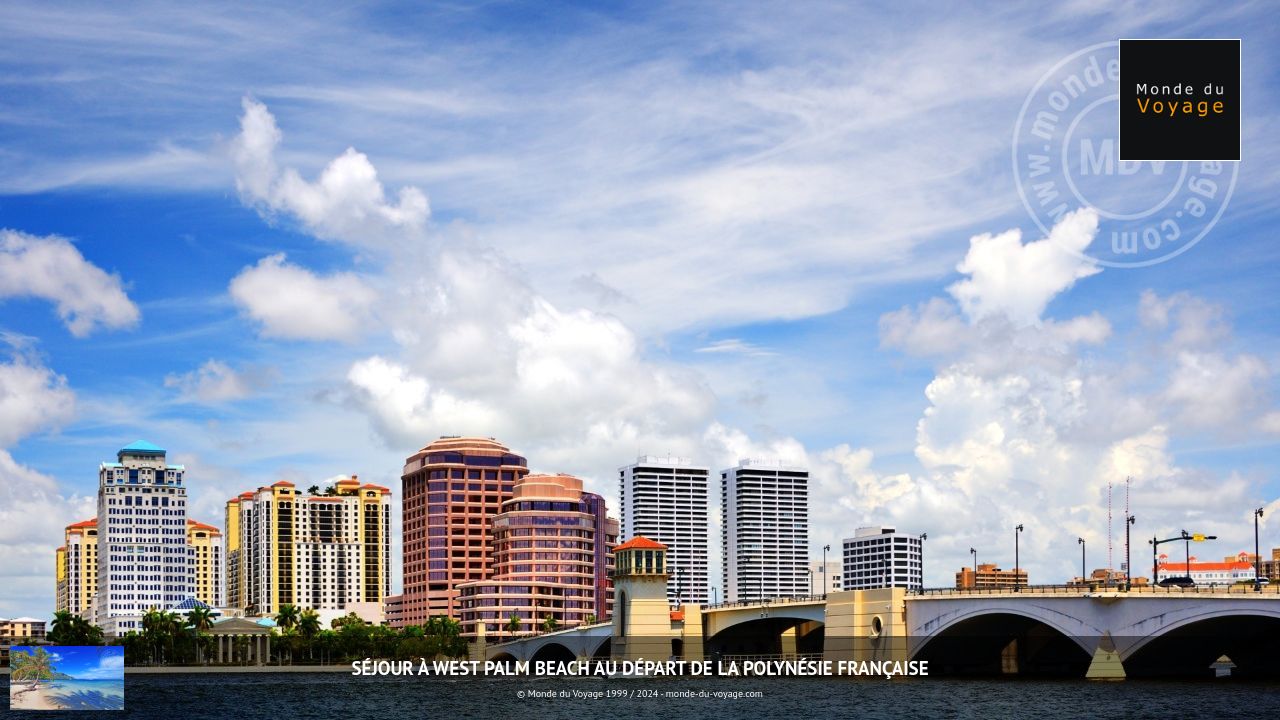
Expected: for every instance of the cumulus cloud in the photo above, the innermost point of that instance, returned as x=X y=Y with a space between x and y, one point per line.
x=32 y=514
x=1026 y=423
x=1017 y=281
x=32 y=509
x=51 y=268
x=294 y=303
x=215 y=382
x=32 y=398
x=346 y=203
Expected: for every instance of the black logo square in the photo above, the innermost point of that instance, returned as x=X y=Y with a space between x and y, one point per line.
x=1179 y=99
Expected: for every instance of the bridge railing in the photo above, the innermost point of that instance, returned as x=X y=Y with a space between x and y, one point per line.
x=767 y=602
x=1077 y=590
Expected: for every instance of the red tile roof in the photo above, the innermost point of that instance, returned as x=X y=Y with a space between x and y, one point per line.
x=91 y=522
x=640 y=542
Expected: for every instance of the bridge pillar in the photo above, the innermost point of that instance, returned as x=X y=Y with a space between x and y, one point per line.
x=1106 y=663
x=789 y=641
x=866 y=625
x=477 y=649
x=691 y=634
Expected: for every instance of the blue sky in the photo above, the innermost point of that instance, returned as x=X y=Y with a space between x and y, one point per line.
x=303 y=244
x=89 y=663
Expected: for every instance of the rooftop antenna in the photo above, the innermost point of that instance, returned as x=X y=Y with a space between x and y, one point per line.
x=1110 y=565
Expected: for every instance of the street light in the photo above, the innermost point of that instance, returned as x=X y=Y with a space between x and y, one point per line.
x=1257 y=557
x=1128 y=574
x=1184 y=536
x=923 y=537
x=974 y=553
x=1017 y=576
x=825 y=584
x=1084 y=580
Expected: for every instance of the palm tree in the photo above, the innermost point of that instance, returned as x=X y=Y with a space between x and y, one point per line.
x=60 y=630
x=287 y=616
x=172 y=624
x=309 y=626
x=35 y=665
x=513 y=623
x=152 y=629
x=549 y=623
x=201 y=621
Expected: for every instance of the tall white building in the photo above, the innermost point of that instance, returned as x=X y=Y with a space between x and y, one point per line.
x=142 y=534
x=665 y=499
x=764 y=530
x=877 y=557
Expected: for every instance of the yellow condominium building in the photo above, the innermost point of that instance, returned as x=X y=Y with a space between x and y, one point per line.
x=204 y=551
x=327 y=551
x=77 y=567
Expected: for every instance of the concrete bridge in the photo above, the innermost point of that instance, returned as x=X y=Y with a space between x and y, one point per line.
x=1037 y=631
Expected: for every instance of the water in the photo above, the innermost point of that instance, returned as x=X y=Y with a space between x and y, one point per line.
x=331 y=695
x=83 y=694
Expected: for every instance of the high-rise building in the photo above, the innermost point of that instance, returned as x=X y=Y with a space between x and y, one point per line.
x=764 y=530
x=142 y=525
x=989 y=577
x=877 y=557
x=206 y=562
x=451 y=489
x=552 y=557
x=324 y=552
x=77 y=567
x=665 y=499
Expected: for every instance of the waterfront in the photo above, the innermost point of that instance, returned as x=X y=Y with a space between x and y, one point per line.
x=301 y=696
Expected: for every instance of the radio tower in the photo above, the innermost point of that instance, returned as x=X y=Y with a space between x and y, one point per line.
x=1109 y=534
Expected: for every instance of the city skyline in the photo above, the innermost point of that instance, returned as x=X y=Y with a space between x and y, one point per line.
x=597 y=233
x=350 y=487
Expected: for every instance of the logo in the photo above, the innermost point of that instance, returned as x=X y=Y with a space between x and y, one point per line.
x=1066 y=155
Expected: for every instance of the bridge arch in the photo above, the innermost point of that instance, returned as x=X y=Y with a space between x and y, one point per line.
x=776 y=630
x=1005 y=639
x=1190 y=645
x=555 y=652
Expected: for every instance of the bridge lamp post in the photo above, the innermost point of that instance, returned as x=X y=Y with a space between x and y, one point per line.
x=825 y=585
x=1257 y=556
x=923 y=537
x=1017 y=574
x=1128 y=572
x=974 y=553
x=1084 y=579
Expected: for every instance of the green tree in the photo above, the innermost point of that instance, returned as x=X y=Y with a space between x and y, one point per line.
x=513 y=623
x=35 y=666
x=287 y=616
x=549 y=623
x=201 y=621
x=308 y=627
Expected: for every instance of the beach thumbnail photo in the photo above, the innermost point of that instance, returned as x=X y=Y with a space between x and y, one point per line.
x=72 y=677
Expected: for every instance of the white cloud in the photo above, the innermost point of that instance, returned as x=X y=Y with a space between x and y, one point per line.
x=33 y=513
x=51 y=268
x=215 y=382
x=1210 y=390
x=32 y=397
x=346 y=203
x=294 y=303
x=1017 y=281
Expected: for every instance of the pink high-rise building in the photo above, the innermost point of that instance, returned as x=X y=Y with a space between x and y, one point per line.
x=552 y=557
x=452 y=489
